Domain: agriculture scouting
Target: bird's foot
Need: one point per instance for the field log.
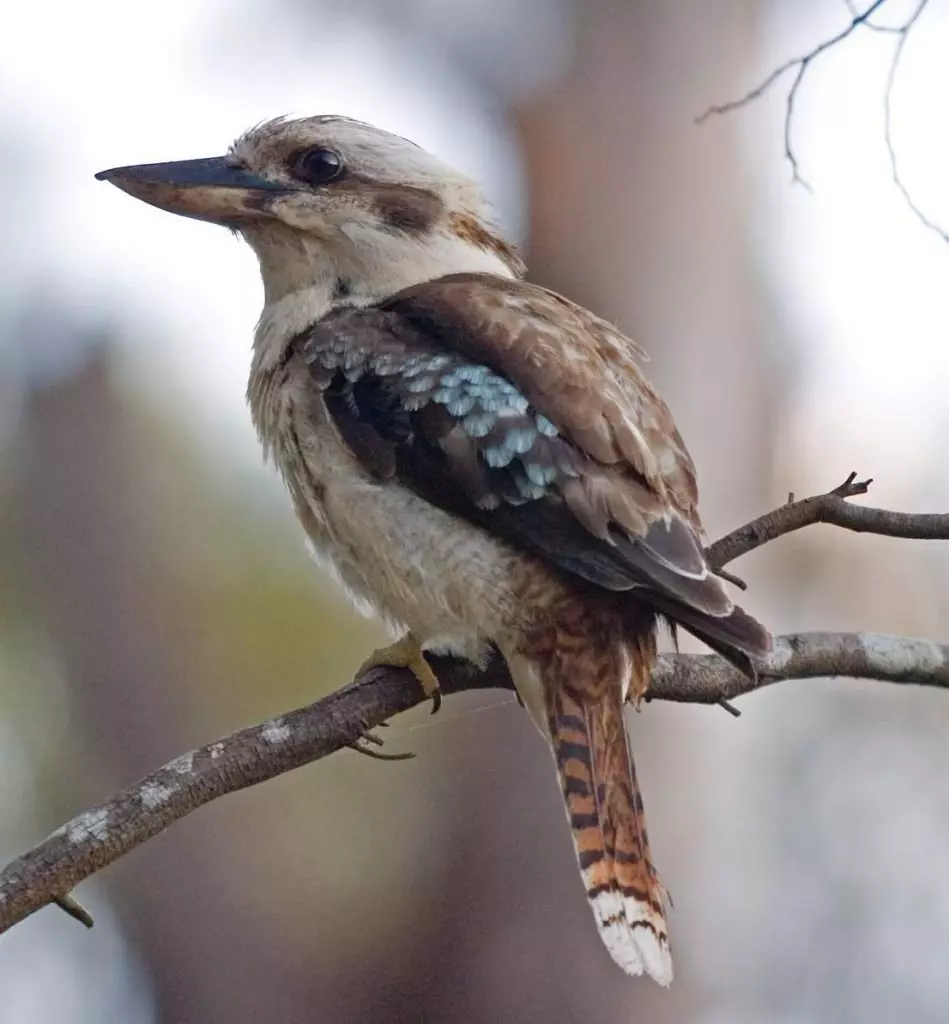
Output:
(407, 653)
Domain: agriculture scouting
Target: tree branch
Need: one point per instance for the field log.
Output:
(902, 33)
(101, 835)
(799, 65)
(708, 679)
(831, 508)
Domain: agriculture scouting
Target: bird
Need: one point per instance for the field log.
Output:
(477, 459)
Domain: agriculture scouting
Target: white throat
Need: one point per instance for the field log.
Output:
(375, 266)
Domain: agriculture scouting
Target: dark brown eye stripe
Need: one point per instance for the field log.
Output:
(405, 208)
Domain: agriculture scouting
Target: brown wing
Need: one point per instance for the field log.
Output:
(574, 367)
(508, 405)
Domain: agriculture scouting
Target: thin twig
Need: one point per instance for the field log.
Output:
(902, 34)
(885, 29)
(730, 577)
(71, 906)
(729, 707)
(799, 65)
(832, 508)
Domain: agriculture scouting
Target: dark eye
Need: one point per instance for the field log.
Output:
(318, 166)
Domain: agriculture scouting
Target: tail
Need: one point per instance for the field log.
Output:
(605, 812)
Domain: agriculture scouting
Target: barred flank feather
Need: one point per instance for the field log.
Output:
(605, 812)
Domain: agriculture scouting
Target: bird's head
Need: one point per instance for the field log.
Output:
(333, 204)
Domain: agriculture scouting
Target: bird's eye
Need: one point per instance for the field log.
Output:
(318, 166)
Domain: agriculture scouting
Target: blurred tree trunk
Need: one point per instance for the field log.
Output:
(122, 639)
(644, 217)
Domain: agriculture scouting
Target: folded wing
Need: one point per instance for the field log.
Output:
(507, 405)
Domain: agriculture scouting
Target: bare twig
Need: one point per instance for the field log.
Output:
(902, 34)
(104, 833)
(799, 65)
(71, 906)
(730, 577)
(885, 29)
(727, 705)
(832, 508)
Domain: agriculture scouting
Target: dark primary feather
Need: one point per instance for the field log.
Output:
(435, 395)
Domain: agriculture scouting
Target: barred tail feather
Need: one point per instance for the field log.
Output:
(606, 818)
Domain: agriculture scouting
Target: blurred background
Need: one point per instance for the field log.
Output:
(155, 594)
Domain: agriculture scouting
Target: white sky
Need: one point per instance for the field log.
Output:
(127, 86)
(861, 280)
(863, 284)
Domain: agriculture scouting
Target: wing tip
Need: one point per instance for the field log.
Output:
(756, 639)
(736, 634)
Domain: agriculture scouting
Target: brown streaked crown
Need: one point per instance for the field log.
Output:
(384, 177)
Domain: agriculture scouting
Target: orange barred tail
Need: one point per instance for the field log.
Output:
(606, 818)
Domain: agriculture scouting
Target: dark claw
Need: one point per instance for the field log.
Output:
(436, 701)
(380, 756)
(367, 737)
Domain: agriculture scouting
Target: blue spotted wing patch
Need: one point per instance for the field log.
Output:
(486, 434)
(467, 439)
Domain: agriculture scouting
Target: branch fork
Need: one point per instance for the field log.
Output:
(800, 66)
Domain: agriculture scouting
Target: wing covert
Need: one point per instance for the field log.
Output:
(504, 404)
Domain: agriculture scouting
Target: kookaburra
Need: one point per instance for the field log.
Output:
(478, 458)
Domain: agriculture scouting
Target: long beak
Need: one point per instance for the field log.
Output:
(209, 189)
